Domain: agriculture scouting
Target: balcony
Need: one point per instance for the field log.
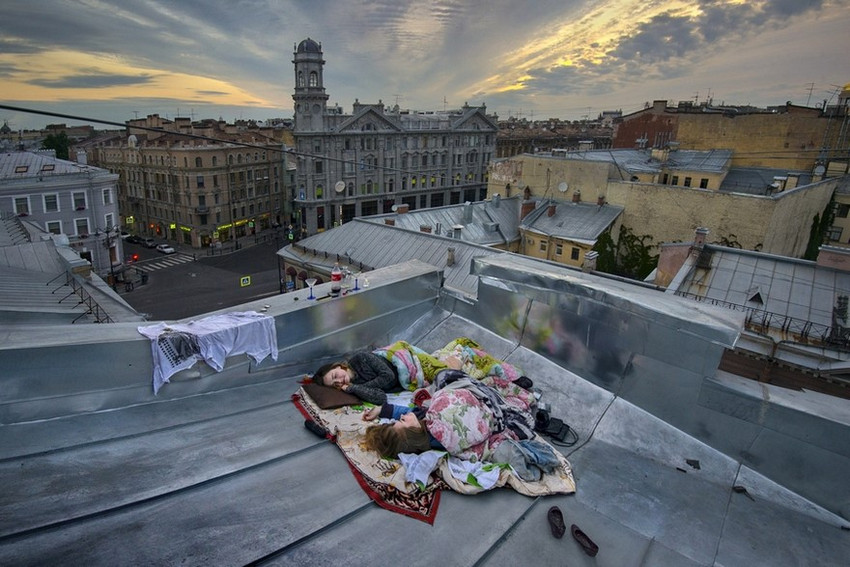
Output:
(202, 209)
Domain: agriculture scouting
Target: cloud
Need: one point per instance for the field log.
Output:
(93, 81)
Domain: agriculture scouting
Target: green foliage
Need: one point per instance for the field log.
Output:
(819, 230)
(58, 142)
(629, 256)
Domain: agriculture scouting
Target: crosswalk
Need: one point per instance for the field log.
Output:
(164, 262)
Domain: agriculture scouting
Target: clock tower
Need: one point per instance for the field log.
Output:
(310, 97)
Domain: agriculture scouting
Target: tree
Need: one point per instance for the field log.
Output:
(58, 142)
(821, 224)
(629, 256)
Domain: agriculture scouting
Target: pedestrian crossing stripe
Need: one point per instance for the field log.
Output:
(165, 262)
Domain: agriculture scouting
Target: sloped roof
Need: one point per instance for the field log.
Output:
(580, 222)
(788, 287)
(489, 223)
(373, 245)
(26, 165)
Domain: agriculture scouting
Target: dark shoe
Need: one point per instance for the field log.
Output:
(556, 522)
(524, 382)
(316, 428)
(585, 542)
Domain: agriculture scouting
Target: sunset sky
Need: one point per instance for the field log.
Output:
(114, 60)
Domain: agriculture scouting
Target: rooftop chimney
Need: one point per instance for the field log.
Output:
(497, 199)
(450, 256)
(402, 208)
(589, 264)
(389, 222)
(425, 228)
(699, 237)
(600, 200)
(467, 212)
(576, 196)
(551, 211)
(527, 207)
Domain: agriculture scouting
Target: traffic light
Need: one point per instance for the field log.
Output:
(134, 258)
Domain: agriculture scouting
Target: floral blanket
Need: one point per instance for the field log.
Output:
(470, 436)
(417, 368)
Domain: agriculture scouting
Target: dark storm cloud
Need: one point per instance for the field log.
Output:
(93, 81)
(660, 39)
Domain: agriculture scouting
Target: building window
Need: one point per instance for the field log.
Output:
(22, 206)
(107, 196)
(834, 234)
(215, 161)
(675, 180)
(559, 249)
(319, 167)
(54, 227)
(199, 162)
(200, 180)
(319, 191)
(574, 253)
(543, 246)
(841, 211)
(314, 79)
(51, 203)
(109, 221)
(82, 226)
(79, 201)
(687, 181)
(703, 183)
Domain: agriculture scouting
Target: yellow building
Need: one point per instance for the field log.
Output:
(773, 220)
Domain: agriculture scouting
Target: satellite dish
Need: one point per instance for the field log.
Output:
(562, 186)
(819, 170)
(339, 187)
(394, 208)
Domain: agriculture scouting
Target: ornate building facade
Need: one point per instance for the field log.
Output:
(198, 184)
(377, 158)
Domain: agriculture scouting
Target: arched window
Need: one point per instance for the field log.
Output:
(320, 191)
(199, 162)
(300, 78)
(239, 158)
(314, 79)
(215, 161)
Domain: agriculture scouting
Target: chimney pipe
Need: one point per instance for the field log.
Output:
(589, 264)
(450, 257)
(389, 222)
(600, 200)
(699, 238)
(551, 211)
(577, 196)
(527, 207)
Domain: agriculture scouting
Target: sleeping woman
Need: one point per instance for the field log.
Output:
(465, 417)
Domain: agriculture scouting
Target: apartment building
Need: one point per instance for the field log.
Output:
(65, 198)
(198, 184)
(377, 158)
(787, 136)
(667, 197)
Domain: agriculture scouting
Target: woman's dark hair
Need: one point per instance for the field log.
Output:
(325, 368)
(389, 441)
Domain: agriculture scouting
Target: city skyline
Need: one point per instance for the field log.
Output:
(118, 60)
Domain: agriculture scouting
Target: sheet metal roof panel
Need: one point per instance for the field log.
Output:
(378, 245)
(577, 221)
(28, 165)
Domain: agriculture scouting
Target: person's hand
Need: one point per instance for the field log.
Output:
(371, 414)
(345, 387)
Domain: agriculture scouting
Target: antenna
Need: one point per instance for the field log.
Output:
(444, 103)
(811, 88)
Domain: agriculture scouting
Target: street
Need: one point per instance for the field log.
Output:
(178, 287)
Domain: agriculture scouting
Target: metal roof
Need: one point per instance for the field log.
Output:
(29, 165)
(641, 161)
(785, 286)
(489, 223)
(218, 468)
(580, 222)
(374, 245)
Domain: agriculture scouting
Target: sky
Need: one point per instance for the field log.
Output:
(571, 59)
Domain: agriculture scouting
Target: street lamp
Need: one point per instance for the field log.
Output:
(109, 233)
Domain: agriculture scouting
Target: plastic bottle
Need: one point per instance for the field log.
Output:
(336, 280)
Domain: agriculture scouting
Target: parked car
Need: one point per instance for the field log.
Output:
(134, 238)
(148, 242)
(165, 249)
